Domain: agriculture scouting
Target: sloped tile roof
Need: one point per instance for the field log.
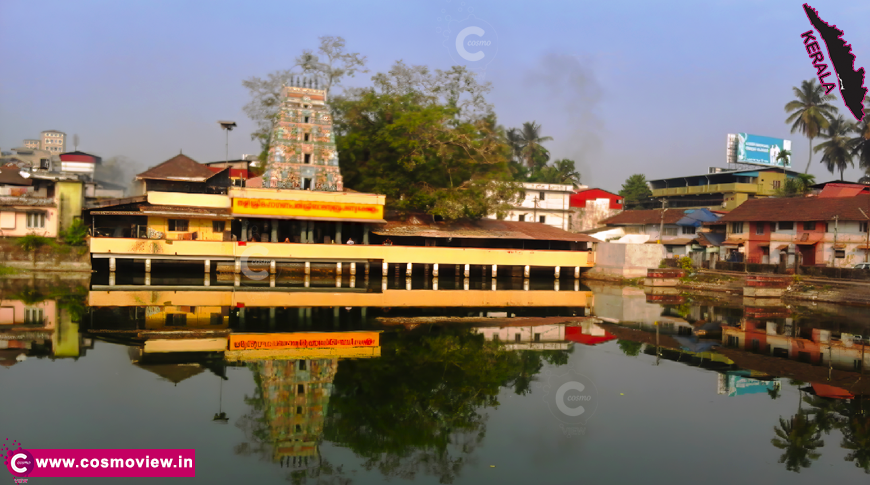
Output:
(422, 226)
(646, 216)
(797, 209)
(179, 167)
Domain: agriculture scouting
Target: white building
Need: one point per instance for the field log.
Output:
(545, 203)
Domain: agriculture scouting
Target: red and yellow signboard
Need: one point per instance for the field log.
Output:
(307, 208)
(281, 341)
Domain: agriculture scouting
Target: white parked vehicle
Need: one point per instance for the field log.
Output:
(862, 266)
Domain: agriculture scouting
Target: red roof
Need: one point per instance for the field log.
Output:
(575, 334)
(179, 167)
(234, 172)
(797, 209)
(843, 190)
(647, 216)
(825, 390)
(580, 197)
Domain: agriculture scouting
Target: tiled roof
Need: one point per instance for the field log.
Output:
(797, 209)
(179, 167)
(422, 226)
(11, 175)
(843, 190)
(647, 216)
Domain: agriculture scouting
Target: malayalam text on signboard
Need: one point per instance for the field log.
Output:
(306, 208)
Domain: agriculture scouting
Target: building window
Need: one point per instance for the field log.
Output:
(298, 409)
(218, 226)
(537, 337)
(863, 227)
(36, 220)
(307, 158)
(177, 225)
(517, 338)
(300, 390)
(542, 219)
(632, 229)
(542, 195)
(521, 218)
(759, 228)
(176, 319)
(216, 319)
(669, 231)
(839, 253)
(737, 227)
(809, 226)
(306, 120)
(305, 136)
(786, 226)
(33, 316)
(303, 365)
(776, 184)
(689, 229)
(306, 184)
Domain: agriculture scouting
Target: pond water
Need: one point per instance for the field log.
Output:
(503, 386)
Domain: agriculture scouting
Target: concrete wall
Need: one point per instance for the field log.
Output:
(624, 304)
(589, 217)
(70, 199)
(626, 260)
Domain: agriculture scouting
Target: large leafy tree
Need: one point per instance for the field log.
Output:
(636, 191)
(810, 112)
(428, 141)
(796, 186)
(838, 149)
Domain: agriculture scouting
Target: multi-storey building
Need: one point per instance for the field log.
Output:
(545, 203)
(53, 141)
(720, 189)
(824, 231)
(302, 154)
(33, 144)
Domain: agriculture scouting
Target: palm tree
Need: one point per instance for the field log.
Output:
(861, 147)
(567, 171)
(810, 112)
(532, 139)
(783, 156)
(856, 439)
(837, 151)
(515, 142)
(825, 413)
(799, 437)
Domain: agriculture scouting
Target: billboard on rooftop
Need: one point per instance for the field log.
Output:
(758, 150)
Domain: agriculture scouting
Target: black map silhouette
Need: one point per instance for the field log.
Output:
(851, 81)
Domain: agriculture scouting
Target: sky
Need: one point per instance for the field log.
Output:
(623, 87)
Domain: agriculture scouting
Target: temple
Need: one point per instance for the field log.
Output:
(302, 153)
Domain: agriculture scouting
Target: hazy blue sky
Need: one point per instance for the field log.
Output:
(622, 86)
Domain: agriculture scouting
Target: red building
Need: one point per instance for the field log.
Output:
(580, 197)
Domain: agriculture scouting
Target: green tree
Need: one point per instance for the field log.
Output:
(799, 437)
(330, 64)
(635, 191)
(76, 234)
(861, 142)
(810, 112)
(532, 150)
(32, 243)
(856, 433)
(796, 186)
(418, 140)
(838, 150)
(784, 157)
(630, 347)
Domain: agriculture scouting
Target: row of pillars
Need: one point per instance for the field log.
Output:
(466, 284)
(467, 270)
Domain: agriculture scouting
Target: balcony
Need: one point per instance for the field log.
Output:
(707, 189)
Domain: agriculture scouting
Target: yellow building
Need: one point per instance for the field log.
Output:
(722, 190)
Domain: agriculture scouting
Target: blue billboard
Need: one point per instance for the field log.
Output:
(761, 150)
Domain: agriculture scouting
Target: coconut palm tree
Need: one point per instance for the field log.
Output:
(515, 142)
(567, 170)
(837, 151)
(810, 111)
(799, 437)
(856, 439)
(532, 139)
(825, 413)
(861, 147)
(783, 156)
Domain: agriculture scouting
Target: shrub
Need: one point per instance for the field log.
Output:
(76, 234)
(687, 264)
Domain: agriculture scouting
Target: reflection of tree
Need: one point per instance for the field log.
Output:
(799, 437)
(630, 347)
(417, 408)
(856, 434)
(775, 392)
(824, 412)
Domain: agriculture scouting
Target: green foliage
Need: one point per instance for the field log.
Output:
(838, 150)
(630, 347)
(810, 112)
(7, 271)
(76, 234)
(799, 437)
(687, 264)
(796, 186)
(635, 191)
(32, 242)
(796, 279)
(422, 151)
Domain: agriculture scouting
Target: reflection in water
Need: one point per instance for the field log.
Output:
(421, 405)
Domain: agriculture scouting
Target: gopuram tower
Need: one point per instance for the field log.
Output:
(302, 153)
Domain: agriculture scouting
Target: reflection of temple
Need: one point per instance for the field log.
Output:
(527, 337)
(295, 396)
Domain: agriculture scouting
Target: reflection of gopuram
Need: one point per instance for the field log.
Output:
(293, 397)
